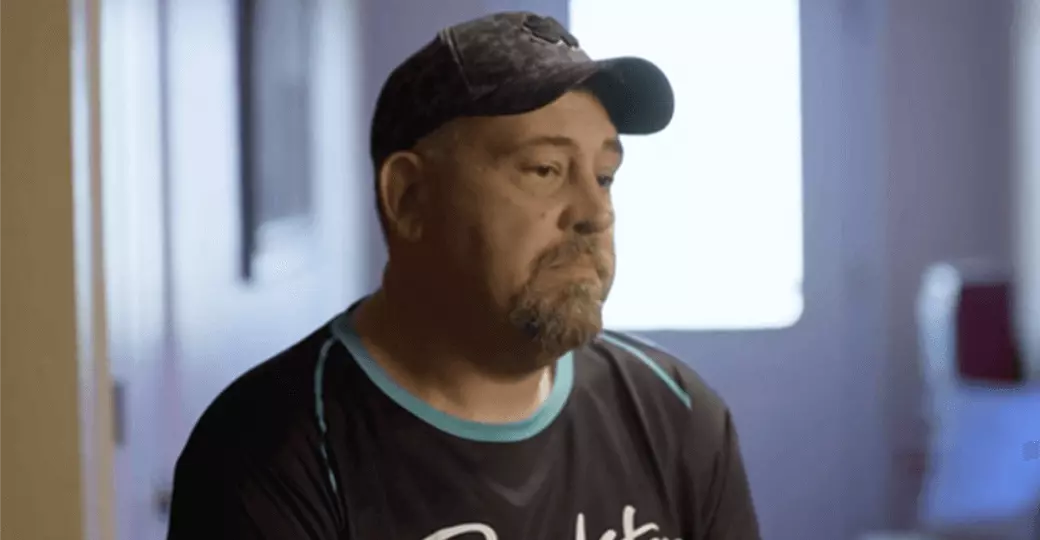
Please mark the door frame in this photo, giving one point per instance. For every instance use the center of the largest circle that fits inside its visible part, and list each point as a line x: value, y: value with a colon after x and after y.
x: 133, y: 201
x: 97, y: 447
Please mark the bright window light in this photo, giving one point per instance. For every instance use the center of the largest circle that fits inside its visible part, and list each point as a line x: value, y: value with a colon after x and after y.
x: 709, y: 212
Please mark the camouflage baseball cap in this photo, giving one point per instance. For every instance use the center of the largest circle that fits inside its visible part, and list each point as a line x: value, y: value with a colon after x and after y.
x: 510, y: 63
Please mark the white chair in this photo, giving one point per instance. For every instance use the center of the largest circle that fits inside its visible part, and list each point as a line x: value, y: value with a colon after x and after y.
x: 983, y: 417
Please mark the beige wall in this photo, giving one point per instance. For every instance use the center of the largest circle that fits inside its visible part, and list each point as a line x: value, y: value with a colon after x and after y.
x: 40, y: 444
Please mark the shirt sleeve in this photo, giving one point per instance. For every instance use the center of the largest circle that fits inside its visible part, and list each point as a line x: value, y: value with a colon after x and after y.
x: 253, y: 469
x: 249, y: 497
x: 713, y: 495
x: 716, y: 481
x: 728, y: 512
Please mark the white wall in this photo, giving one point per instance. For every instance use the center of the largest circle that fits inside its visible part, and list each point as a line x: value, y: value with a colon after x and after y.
x: 1027, y: 194
x: 947, y: 177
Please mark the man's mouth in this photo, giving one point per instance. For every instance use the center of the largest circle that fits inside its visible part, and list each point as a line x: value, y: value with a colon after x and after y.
x: 583, y: 266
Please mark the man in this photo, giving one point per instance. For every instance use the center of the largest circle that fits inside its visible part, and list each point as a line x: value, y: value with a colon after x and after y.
x: 474, y: 395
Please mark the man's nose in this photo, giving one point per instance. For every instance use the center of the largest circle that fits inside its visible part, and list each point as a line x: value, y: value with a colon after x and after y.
x: 591, y: 210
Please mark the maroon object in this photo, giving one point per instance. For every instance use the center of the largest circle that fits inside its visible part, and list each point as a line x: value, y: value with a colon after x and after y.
x: 985, y: 343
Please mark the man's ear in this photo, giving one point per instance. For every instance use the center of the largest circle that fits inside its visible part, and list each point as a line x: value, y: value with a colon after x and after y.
x: 402, y: 193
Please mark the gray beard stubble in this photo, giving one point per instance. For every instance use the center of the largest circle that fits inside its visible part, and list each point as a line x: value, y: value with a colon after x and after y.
x: 564, y: 318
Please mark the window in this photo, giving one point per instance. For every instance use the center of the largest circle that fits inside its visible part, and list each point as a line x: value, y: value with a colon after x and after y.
x: 709, y: 212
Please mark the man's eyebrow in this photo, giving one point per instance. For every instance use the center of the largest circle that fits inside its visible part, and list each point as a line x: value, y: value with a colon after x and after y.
x: 612, y: 144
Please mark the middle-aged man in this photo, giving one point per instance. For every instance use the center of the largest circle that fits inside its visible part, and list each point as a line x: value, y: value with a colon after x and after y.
x: 475, y: 394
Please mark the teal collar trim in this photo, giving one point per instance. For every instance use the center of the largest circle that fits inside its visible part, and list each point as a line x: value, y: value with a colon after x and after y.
x: 342, y: 328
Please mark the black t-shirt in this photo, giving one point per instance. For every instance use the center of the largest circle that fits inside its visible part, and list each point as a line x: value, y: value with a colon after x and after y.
x: 319, y: 443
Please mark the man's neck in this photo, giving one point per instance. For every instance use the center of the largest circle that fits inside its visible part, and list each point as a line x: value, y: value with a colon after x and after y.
x: 438, y: 367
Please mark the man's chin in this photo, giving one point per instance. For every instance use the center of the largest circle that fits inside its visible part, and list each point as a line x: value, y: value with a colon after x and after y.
x: 563, y: 327
x: 573, y: 336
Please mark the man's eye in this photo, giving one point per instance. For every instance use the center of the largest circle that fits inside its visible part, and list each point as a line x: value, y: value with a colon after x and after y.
x: 545, y: 171
x: 605, y: 180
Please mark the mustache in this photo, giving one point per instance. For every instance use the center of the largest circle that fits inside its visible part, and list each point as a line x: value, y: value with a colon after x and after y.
x: 571, y: 252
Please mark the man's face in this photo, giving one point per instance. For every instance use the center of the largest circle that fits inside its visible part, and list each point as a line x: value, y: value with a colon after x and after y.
x: 522, y: 211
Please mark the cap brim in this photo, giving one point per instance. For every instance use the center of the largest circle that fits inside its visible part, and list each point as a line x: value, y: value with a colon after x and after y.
x: 635, y: 92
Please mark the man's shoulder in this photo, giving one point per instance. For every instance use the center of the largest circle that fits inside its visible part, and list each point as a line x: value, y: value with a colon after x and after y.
x: 266, y: 408
x: 651, y: 372
x: 252, y: 462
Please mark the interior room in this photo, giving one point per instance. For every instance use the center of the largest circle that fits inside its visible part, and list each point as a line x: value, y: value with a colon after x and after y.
x: 839, y: 232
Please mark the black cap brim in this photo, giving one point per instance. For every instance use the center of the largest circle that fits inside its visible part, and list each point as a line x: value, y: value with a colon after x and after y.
x: 635, y: 92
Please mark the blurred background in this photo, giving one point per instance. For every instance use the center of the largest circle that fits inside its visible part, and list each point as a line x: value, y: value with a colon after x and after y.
x: 852, y: 189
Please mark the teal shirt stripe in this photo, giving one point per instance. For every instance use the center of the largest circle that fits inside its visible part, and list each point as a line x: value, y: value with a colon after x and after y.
x: 466, y: 429
x: 319, y: 411
x: 657, y: 369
